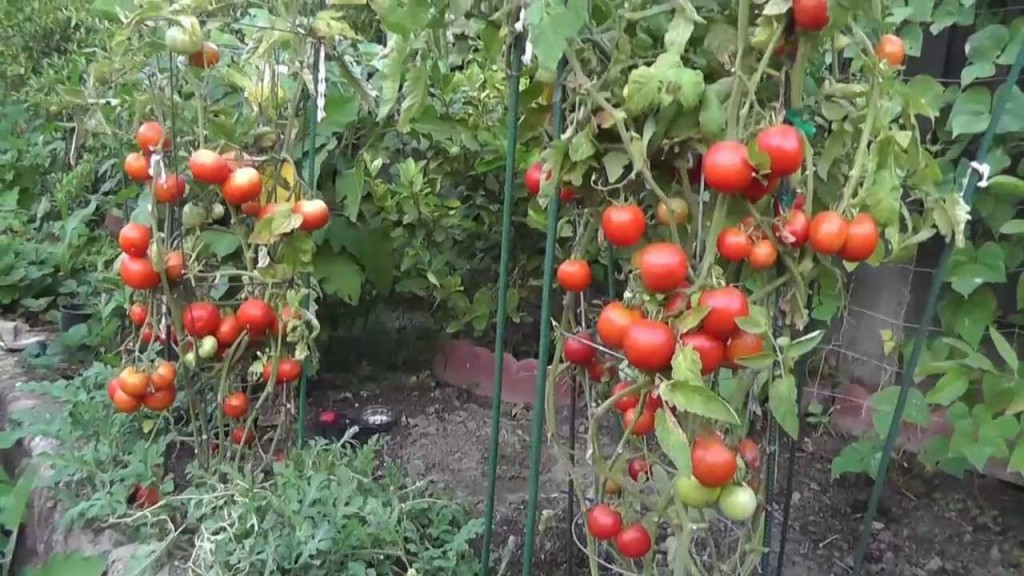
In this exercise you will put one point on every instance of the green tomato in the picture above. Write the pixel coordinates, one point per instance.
(738, 503)
(692, 493)
(217, 211)
(207, 347)
(184, 39)
(189, 359)
(193, 216)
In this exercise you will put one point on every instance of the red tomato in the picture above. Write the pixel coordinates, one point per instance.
(861, 238)
(760, 188)
(613, 322)
(810, 15)
(252, 209)
(794, 231)
(763, 255)
(663, 266)
(126, 404)
(727, 167)
(228, 331)
(200, 319)
(138, 313)
(639, 469)
(288, 370)
(633, 541)
(243, 185)
(208, 167)
(603, 522)
(256, 316)
(269, 209)
(726, 305)
(623, 225)
(676, 304)
(146, 497)
(208, 57)
(534, 178)
(714, 464)
(653, 402)
(236, 405)
(150, 136)
(890, 49)
(644, 421)
(649, 345)
(134, 239)
(596, 370)
(315, 214)
(743, 345)
(710, 350)
(168, 189)
(750, 453)
(566, 194)
(113, 386)
(160, 400)
(163, 377)
(146, 336)
(138, 273)
(574, 275)
(174, 265)
(578, 349)
(734, 244)
(626, 402)
(828, 232)
(243, 436)
(784, 146)
(136, 167)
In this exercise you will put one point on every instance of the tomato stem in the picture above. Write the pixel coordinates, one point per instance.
(755, 80)
(742, 36)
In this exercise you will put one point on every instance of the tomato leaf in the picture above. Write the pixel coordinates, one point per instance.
(73, 564)
(686, 365)
(757, 361)
(691, 319)
(803, 344)
(339, 275)
(755, 322)
(9, 438)
(673, 440)
(220, 242)
(698, 399)
(552, 25)
(782, 403)
(950, 387)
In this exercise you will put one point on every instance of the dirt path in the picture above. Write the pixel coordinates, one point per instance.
(928, 524)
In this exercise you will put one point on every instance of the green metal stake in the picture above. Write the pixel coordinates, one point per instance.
(515, 65)
(537, 432)
(907, 377)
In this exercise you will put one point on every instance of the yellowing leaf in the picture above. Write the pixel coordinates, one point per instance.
(284, 179)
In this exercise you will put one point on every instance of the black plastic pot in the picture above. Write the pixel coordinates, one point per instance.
(72, 315)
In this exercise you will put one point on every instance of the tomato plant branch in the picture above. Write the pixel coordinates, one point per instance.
(755, 80)
(711, 241)
(862, 148)
(742, 36)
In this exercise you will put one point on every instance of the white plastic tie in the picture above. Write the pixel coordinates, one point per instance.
(521, 27)
(985, 170)
(321, 87)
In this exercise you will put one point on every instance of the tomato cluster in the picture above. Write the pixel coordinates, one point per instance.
(132, 388)
(535, 177)
(605, 523)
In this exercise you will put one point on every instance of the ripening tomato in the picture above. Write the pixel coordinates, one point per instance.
(828, 232)
(174, 265)
(734, 244)
(229, 331)
(763, 255)
(676, 211)
(603, 522)
(574, 275)
(750, 453)
(208, 57)
(760, 188)
(534, 178)
(638, 469)
(676, 303)
(784, 146)
(163, 377)
(890, 49)
(288, 370)
(125, 403)
(269, 209)
(113, 386)
(566, 194)
(598, 370)
(861, 238)
(134, 239)
(633, 541)
(243, 185)
(726, 304)
(200, 319)
(623, 225)
(146, 336)
(794, 230)
(160, 400)
(663, 266)
(649, 345)
(136, 167)
(714, 464)
(138, 313)
(727, 167)
(133, 382)
(579, 349)
(315, 214)
(150, 136)
(252, 209)
(145, 497)
(243, 436)
(626, 402)
(709, 349)
(236, 405)
(644, 421)
(612, 323)
(256, 316)
(138, 273)
(169, 188)
(653, 402)
(611, 487)
(208, 167)
(810, 15)
(743, 345)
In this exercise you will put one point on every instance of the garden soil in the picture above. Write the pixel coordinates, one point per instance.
(928, 524)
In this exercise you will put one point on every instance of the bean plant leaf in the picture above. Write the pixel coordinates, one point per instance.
(883, 407)
(1004, 348)
(1012, 227)
(673, 440)
(1016, 463)
(804, 344)
(968, 317)
(950, 387)
(782, 403)
(971, 112)
(858, 457)
(698, 399)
